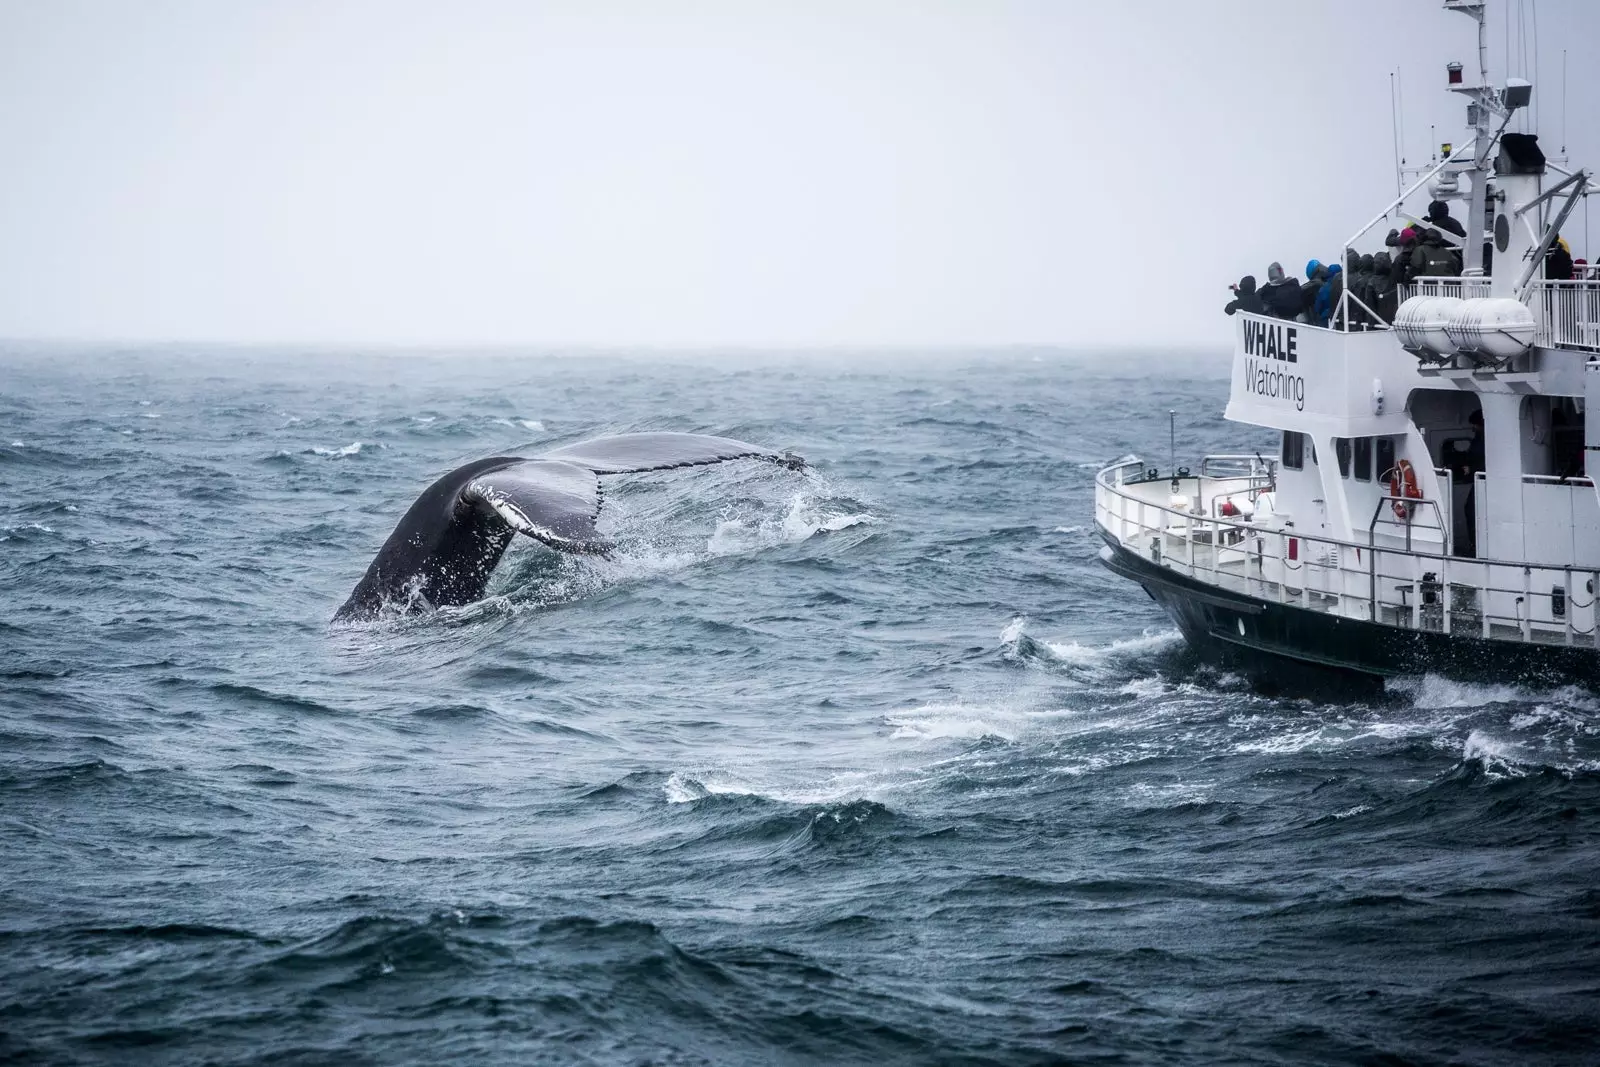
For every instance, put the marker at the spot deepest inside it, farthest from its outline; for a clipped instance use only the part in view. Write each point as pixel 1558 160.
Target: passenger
pixel 1466 540
pixel 1327 296
pixel 1366 291
pixel 1281 294
pixel 1316 274
pixel 1384 291
pixel 1433 259
pixel 1403 272
pixel 1558 261
pixel 1338 282
pixel 1245 297
pixel 1439 215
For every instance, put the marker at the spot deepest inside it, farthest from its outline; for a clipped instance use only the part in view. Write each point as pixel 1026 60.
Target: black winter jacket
pixel 1246 298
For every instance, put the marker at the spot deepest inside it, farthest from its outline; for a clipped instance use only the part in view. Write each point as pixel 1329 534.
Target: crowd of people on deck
pixel 1374 279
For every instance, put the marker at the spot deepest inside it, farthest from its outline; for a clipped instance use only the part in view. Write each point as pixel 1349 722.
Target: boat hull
pixel 1286 646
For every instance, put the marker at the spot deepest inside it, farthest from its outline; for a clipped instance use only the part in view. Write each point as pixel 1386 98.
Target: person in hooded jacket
pixel 1328 295
pixel 1365 290
pixel 1402 272
pixel 1281 294
pixel 1558 261
pixel 1439 215
pixel 1316 274
pixel 1385 294
pixel 1245 297
pixel 1434 258
pixel 1338 281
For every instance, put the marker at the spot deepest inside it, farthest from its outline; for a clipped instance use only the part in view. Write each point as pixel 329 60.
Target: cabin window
pixel 1385 454
pixel 1341 448
pixel 1294 450
pixel 1363 459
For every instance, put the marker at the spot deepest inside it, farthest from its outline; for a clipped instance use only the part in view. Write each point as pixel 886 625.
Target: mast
pixel 1485 103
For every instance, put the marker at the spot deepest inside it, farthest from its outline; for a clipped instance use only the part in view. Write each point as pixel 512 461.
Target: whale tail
pixel 447 545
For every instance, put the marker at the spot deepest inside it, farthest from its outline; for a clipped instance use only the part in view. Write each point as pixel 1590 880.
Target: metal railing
pixel 1409 586
pixel 1430 285
pixel 1568 313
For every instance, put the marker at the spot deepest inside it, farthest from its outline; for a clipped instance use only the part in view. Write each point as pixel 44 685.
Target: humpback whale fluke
pixel 444 549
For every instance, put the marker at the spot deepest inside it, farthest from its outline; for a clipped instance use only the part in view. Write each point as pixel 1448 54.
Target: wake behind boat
pixel 1433 503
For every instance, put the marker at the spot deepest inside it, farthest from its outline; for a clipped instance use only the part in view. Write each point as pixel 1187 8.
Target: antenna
pixel 1394 133
pixel 1172 442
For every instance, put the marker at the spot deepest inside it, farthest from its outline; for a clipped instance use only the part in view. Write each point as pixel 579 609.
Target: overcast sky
pixel 710 174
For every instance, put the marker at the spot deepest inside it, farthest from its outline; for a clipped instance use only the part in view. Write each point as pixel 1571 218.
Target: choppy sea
pixel 871 763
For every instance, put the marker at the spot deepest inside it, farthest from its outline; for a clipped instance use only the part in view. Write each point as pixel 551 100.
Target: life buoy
pixel 1403 482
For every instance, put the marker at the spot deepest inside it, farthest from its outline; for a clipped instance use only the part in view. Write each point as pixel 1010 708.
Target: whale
pixel 444 549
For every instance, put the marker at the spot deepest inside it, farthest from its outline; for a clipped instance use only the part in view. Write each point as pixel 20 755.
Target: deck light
pixel 1454 67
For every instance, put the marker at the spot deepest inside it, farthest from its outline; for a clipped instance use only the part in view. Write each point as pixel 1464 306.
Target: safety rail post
pixel 1446 604
pixel 1525 614
pixel 1188 539
pixel 1483 603
pixel 1566 604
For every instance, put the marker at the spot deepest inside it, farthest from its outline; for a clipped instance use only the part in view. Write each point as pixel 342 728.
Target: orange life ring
pixel 1403 482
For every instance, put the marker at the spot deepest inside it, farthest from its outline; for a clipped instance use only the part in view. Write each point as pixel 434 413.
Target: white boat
pixel 1377 541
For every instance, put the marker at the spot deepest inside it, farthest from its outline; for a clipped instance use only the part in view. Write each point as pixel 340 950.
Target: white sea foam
pixel 1498 757
pixel 1282 744
pixel 1074 654
pixel 351 449
pixel 531 424
pixel 18 444
pixel 1067 529
pixel 1436 691
pixel 804 518
pixel 424 419
pixel 685 788
pixel 956 721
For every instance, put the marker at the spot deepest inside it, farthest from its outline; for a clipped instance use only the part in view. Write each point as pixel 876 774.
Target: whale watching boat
pixel 1432 505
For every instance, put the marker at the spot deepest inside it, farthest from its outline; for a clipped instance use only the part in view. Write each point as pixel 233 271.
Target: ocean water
pixel 871 763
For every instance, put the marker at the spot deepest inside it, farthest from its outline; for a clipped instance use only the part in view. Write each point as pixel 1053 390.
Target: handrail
pixel 1246 524
pixel 1503 598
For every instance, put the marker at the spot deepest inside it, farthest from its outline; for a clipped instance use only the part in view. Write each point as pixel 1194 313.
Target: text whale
pixel 444 549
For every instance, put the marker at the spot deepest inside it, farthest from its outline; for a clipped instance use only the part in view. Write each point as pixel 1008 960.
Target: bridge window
pixel 1341 448
pixel 1385 454
pixel 1363 459
pixel 1294 450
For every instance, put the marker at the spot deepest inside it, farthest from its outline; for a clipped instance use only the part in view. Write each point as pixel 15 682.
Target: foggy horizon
pixel 713 177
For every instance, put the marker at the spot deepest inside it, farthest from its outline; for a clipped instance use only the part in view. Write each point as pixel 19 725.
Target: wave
pixel 352 449
pixel 957 722
pixel 806 516
pixel 1438 692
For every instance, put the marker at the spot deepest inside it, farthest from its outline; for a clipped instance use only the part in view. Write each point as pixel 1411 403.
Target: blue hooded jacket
pixel 1324 308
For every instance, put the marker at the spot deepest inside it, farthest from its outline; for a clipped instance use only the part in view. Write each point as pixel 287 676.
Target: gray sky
pixel 709 174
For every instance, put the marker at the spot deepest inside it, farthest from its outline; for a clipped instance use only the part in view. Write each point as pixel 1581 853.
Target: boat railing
pixel 1412 583
pixel 1567 313
pixel 1239 465
pixel 1431 285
